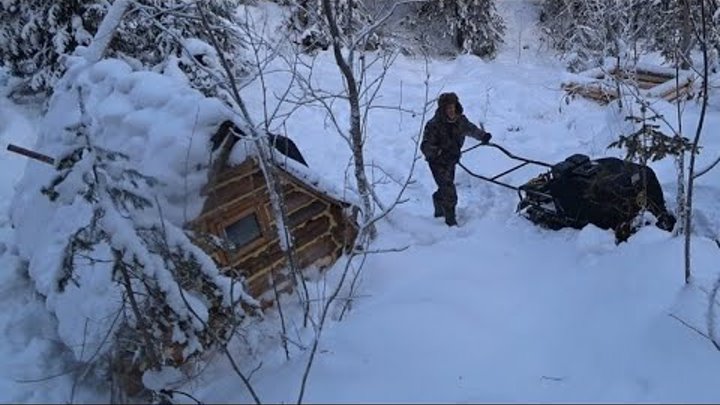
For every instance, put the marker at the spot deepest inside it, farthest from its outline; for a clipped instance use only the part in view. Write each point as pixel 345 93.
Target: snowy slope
pixel 497 310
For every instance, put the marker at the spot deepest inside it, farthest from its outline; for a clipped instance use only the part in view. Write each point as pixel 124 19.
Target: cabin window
pixel 243 231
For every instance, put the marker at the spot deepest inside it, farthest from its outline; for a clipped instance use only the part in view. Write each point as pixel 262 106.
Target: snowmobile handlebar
pixel 495 179
pixel 508 154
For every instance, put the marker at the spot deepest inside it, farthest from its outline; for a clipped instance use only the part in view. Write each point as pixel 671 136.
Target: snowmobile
pixel 607 192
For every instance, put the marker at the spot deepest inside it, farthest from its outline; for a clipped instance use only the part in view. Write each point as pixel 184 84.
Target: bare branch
pixel 707 169
pixel 321 324
pixel 693 153
pixel 398 200
pixel 171 393
pixel 281 313
pixel 689 326
pixel 711 313
pixel 353 284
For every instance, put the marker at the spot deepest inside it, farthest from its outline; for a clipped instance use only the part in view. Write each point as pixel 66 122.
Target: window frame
pixel 227 221
pixel 258 227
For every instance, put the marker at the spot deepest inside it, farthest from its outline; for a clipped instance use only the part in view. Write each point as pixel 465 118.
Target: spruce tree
pixel 474 25
pixel 309 29
pixel 585 32
pixel 169 302
pixel 35 34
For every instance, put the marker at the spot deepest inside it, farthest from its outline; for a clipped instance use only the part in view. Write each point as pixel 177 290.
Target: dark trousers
pixel 446 195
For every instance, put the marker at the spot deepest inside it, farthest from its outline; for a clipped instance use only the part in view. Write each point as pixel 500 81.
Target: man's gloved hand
pixel 486 138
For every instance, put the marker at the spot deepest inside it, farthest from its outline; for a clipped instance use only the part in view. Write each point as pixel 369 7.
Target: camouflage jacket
pixel 443 140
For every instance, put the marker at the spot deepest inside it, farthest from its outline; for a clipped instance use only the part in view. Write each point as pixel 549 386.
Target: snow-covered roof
pixel 246 148
pixel 162 124
pixel 158 121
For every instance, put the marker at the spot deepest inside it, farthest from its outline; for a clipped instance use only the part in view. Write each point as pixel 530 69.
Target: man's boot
pixel 439 212
pixel 666 221
pixel 450 217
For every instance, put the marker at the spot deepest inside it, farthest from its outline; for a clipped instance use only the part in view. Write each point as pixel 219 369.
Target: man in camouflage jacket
pixel 442 141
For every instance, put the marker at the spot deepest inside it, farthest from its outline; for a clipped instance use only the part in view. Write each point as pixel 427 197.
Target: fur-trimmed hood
pixel 449 98
pixel 444 100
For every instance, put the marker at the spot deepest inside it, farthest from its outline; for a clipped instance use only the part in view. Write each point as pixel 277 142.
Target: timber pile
pixel 650 81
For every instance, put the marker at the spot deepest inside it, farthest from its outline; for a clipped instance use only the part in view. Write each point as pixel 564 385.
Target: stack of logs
pixel 603 92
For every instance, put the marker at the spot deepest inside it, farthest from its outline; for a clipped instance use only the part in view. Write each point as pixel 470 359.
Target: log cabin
pixel 237 212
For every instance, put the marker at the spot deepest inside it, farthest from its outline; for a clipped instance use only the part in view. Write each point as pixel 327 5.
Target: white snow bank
pixel 160 123
pixel 164 127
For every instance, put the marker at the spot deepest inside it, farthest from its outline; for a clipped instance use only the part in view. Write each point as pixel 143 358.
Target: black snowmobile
pixel 606 192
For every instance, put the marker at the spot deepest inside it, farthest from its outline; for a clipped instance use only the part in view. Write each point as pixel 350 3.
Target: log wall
pixel 319 225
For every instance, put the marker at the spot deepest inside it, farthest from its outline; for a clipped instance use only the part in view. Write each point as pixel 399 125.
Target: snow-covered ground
pixel 497 310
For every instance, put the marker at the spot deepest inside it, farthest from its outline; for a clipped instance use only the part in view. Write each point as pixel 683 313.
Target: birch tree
pixel 703 39
pixel 360 89
pixel 347 46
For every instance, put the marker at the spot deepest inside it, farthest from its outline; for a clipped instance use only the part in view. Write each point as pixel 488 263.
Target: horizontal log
pixel 219 203
pixel 239 188
pixel 228 173
pixel 644 77
pixel 258 285
pixel 269 255
pixel 598 96
pixel 258 261
pixel 673 95
pixel 296 199
pixel 31 154
pixel 306 213
pixel 310 230
pixel 321 250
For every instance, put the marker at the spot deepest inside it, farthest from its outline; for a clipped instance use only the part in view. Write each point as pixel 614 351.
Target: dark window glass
pixel 243 231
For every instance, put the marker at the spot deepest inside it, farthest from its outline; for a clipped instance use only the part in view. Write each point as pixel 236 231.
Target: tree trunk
pixel 100 42
pixel 355 124
pixel 268 167
pixel 680 198
pixel 686 35
pixel 696 141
